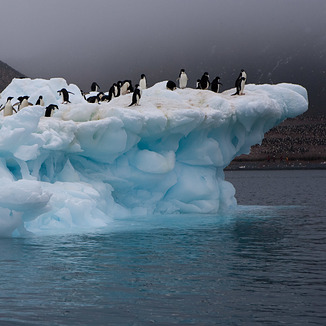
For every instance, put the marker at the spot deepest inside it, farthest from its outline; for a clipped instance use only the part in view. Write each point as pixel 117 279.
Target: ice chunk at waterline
pixel 92 163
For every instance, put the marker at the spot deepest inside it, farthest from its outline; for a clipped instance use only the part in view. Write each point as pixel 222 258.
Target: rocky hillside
pixel 7 74
pixel 298 142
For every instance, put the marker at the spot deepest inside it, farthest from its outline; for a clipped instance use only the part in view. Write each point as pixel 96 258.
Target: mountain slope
pixel 7 73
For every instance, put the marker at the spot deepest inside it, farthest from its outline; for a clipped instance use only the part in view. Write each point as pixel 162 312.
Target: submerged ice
pixel 92 163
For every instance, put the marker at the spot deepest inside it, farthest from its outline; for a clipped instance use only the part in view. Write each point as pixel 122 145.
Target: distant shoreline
pixel 295 144
pixel 263 165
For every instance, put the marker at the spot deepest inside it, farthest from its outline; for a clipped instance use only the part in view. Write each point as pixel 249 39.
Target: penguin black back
pixel 171 85
pixel 204 81
pixel 40 100
pixel 238 85
pixel 136 96
pixel 49 108
pixel 95 87
pixel 215 85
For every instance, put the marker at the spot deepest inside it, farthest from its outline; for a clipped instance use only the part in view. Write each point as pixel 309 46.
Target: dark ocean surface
pixel 262 264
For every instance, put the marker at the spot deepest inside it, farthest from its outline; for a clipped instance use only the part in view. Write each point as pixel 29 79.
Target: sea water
pixel 262 264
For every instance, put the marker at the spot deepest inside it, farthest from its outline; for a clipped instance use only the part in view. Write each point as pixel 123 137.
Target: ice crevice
pixel 92 163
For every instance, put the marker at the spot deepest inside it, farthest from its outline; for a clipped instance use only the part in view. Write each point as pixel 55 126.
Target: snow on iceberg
pixel 92 163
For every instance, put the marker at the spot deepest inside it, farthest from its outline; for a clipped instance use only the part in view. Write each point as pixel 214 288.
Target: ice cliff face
pixel 91 163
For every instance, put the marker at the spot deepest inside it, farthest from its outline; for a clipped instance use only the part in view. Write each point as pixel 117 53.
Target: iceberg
pixel 91 163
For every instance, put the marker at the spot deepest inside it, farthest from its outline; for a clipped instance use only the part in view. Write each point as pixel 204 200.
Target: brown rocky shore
pixel 298 143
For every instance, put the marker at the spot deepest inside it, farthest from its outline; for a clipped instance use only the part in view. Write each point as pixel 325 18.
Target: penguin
pixel 100 96
pixel 183 78
pixel 23 102
pixel 20 99
pixel 126 87
pixel 240 83
pixel 113 91
pixel 243 82
pixel 171 85
pixel 95 87
pixel 105 98
pixel 65 95
pixel 136 96
pixel 143 82
pixel 118 89
pixel 198 84
pixel 8 108
pixel 40 101
pixel 215 85
pixel 204 81
pixel 49 108
pixel 93 99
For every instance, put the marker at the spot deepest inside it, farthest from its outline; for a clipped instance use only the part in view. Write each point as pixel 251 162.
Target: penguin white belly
pixel 124 88
pixel 23 104
pixel 8 110
pixel 183 81
pixel 115 91
pixel 142 84
pixel 242 85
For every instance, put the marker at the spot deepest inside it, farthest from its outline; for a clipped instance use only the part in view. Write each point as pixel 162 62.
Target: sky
pixel 108 40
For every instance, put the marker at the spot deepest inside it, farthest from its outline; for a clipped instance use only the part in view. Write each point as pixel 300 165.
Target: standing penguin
pixel 8 108
pixel 23 102
pixel 240 83
pixel 40 101
pixel 65 95
pixel 142 82
pixel 95 87
pixel 136 96
pixel 198 84
pixel 112 91
pixel 215 86
pixel 204 81
pixel 183 79
pixel 244 79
